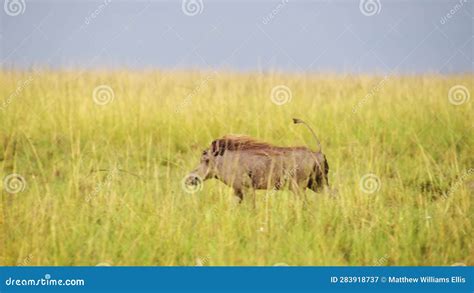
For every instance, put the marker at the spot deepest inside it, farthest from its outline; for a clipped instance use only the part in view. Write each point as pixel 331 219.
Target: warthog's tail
pixel 299 121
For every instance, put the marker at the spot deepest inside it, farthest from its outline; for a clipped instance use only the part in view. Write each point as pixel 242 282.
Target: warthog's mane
pixel 247 143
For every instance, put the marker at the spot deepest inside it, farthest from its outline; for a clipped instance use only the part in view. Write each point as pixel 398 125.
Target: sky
pixel 366 36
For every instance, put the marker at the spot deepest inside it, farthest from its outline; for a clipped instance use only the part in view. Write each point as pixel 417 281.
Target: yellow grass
pixel 404 130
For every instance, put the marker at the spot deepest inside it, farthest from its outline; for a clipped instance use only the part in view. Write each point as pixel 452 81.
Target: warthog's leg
pixel 249 192
pixel 239 194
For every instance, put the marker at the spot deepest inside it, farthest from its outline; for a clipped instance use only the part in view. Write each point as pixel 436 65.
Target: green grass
pixel 404 130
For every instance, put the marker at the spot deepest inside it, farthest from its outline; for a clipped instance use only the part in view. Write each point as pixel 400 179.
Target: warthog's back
pixel 263 169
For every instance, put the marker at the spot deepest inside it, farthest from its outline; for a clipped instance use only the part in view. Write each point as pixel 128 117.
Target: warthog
pixel 246 164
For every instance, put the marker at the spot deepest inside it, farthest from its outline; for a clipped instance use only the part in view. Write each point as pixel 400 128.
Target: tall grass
pixel 73 211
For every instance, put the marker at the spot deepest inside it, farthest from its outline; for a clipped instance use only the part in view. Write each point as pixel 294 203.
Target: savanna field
pixel 400 152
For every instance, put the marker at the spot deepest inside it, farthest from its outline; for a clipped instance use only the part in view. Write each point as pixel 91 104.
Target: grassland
pixel 68 210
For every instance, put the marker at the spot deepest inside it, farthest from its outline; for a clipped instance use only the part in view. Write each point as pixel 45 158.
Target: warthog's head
pixel 205 169
pixel 209 157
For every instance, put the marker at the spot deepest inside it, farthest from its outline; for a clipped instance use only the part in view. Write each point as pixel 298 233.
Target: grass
pixel 403 129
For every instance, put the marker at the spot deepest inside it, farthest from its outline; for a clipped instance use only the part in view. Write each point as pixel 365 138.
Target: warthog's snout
pixel 193 179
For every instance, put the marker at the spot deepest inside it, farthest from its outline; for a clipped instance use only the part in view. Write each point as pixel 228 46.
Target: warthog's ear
pixel 218 147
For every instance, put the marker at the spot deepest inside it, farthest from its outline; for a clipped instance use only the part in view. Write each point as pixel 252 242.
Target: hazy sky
pixel 368 36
